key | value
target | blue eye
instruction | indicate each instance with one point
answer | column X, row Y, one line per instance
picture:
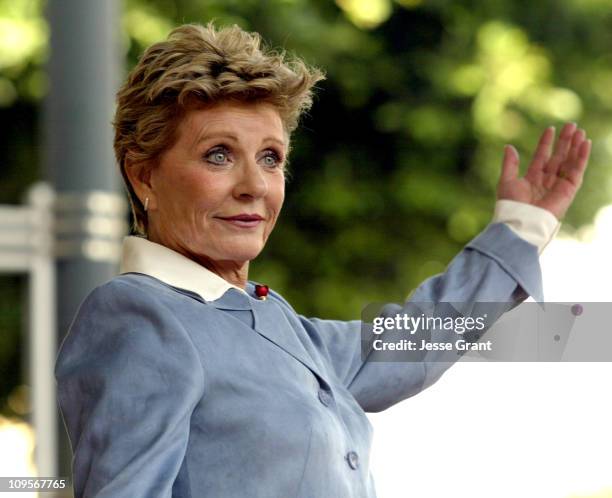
column 272, row 160
column 217, row 156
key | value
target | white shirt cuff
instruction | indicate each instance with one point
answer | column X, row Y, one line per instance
column 536, row 225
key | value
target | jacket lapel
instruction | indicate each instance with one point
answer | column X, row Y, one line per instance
column 269, row 322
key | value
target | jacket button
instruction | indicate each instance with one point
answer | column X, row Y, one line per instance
column 352, row 459
column 325, row 397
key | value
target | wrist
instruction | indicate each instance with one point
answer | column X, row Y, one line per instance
column 535, row 224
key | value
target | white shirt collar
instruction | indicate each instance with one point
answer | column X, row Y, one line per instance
column 140, row 255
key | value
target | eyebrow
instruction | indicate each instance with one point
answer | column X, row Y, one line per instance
column 234, row 138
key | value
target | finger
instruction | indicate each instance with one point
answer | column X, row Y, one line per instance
column 563, row 145
column 565, row 139
column 510, row 164
column 574, row 173
column 543, row 150
column 577, row 140
column 585, row 153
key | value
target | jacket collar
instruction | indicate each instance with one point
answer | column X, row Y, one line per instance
column 139, row 255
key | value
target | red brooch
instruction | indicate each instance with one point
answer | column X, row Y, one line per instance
column 261, row 291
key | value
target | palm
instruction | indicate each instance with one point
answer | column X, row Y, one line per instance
column 552, row 179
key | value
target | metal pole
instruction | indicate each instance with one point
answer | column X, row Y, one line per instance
column 42, row 330
column 84, row 73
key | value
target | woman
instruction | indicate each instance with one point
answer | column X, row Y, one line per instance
column 181, row 377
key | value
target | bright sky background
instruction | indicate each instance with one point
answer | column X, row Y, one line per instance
column 528, row 430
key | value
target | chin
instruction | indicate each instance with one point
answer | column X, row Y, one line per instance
column 242, row 253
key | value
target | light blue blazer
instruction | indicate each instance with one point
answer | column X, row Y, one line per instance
column 165, row 394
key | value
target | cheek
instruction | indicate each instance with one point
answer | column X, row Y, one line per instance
column 202, row 193
column 178, row 189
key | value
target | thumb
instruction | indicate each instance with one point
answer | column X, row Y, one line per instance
column 510, row 164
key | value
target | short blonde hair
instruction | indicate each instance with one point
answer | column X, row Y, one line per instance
column 198, row 65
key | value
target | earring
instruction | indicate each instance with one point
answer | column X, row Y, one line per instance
column 146, row 204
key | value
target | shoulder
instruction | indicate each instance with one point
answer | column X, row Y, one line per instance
column 132, row 293
column 130, row 312
column 124, row 344
column 131, row 286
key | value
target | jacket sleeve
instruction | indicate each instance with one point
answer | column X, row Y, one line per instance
column 496, row 267
column 128, row 379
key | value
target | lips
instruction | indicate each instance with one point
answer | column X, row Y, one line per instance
column 243, row 217
column 243, row 220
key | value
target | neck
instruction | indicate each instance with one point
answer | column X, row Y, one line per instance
column 231, row 271
column 234, row 272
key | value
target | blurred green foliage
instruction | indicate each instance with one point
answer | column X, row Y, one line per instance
column 395, row 167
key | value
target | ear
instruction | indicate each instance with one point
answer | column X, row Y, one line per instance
column 139, row 175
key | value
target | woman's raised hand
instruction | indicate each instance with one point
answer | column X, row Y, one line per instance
column 553, row 177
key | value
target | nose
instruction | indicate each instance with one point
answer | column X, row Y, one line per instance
column 251, row 181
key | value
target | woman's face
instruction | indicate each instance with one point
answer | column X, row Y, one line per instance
column 218, row 191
